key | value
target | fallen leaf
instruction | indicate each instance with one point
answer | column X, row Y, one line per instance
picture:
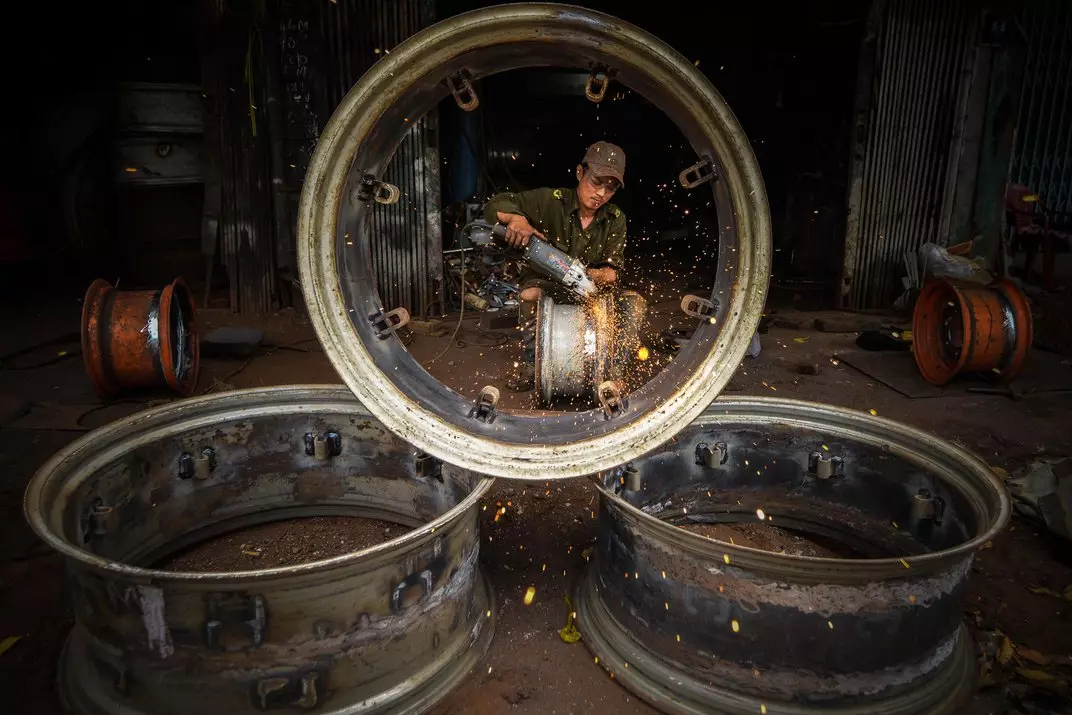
column 801, row 340
column 569, row 632
column 1034, row 675
column 1000, row 472
column 1043, row 591
column 5, row 645
column 1033, row 656
column 1004, row 654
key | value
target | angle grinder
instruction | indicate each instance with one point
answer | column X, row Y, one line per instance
column 541, row 255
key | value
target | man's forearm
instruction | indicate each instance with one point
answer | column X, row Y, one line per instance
column 505, row 216
column 603, row 276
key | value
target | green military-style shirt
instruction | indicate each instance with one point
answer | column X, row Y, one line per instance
column 555, row 214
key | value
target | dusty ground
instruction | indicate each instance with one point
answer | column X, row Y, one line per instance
column 539, row 541
column 285, row 543
column 771, row 538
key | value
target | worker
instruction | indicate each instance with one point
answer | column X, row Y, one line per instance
column 580, row 221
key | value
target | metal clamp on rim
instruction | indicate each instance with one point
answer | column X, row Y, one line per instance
column 200, row 466
column 249, row 613
column 824, row 467
column 699, row 173
column 712, row 455
column 427, row 466
column 372, row 189
column 484, row 407
column 697, row 307
column 611, row 399
column 595, row 88
column 323, row 446
column 463, row 91
column 389, row 322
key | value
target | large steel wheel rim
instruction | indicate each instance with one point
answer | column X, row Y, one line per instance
column 85, row 455
column 338, row 285
column 346, row 620
column 626, row 633
column 671, row 690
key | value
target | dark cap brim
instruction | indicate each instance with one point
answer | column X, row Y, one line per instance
column 603, row 171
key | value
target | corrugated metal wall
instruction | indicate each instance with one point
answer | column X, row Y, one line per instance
column 407, row 243
column 1042, row 158
column 903, row 174
column 237, row 198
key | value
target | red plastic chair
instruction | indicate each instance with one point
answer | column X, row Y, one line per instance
column 1029, row 228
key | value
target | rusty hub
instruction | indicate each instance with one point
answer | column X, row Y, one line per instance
column 968, row 328
column 140, row 339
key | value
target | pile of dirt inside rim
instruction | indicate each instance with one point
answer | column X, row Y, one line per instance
column 774, row 539
column 284, row 543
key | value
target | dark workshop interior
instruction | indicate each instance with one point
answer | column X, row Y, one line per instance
column 872, row 273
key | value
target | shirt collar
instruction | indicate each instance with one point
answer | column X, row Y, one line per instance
column 575, row 205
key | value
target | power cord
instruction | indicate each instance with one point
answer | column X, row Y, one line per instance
column 461, row 314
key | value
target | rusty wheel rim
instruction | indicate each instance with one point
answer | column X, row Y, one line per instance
column 93, row 347
column 180, row 349
column 1024, row 335
column 929, row 325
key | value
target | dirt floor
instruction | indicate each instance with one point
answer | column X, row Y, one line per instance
column 284, row 543
column 1016, row 585
column 771, row 538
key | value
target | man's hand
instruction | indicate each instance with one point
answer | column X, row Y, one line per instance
column 518, row 230
column 602, row 276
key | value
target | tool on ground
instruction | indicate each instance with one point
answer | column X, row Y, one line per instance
column 541, row 255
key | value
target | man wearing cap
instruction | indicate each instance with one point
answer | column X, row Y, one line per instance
column 580, row 221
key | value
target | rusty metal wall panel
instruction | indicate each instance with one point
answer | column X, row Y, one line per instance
column 1042, row 157
column 903, row 163
column 407, row 238
column 325, row 50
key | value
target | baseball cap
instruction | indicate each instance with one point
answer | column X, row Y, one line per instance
column 606, row 159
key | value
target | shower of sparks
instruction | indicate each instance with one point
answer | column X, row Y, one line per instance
column 760, row 515
column 642, row 354
column 874, row 412
column 678, row 637
column 831, row 624
column 726, row 557
column 904, row 563
column 529, row 595
column 735, row 626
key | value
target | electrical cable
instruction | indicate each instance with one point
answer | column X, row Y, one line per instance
column 70, row 338
column 461, row 314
